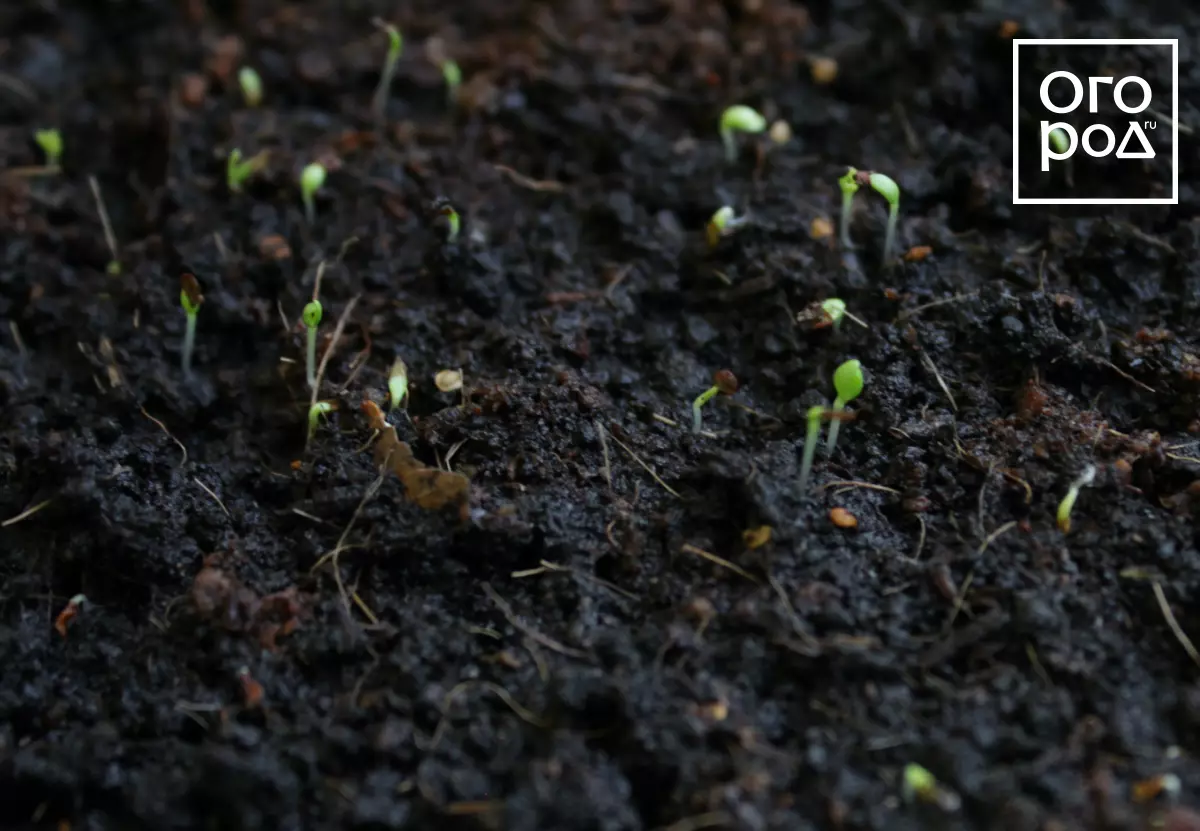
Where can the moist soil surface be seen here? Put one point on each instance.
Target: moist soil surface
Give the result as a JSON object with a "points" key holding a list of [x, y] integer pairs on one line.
{"points": [[627, 624]]}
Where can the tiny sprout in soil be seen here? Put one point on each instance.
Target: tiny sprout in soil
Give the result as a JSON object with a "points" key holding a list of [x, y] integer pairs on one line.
{"points": [[315, 412], [849, 187], [453, 222], [1165, 784], [397, 384], [190, 298], [312, 319], [68, 614], [395, 48], [312, 178], [886, 187], [238, 171], [724, 383], [722, 224], [1068, 502], [51, 143], [448, 380], [1059, 140], [739, 119], [811, 437], [920, 784], [453, 77], [822, 314], [251, 86], [848, 383]]}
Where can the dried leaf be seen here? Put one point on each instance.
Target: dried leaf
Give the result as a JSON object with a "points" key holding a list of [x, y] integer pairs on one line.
{"points": [[426, 487]]}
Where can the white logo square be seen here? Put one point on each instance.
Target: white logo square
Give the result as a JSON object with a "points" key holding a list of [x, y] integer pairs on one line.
{"points": [[1058, 141]]}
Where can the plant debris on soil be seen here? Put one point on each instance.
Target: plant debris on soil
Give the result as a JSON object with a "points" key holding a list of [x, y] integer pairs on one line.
{"points": [[535, 598]]}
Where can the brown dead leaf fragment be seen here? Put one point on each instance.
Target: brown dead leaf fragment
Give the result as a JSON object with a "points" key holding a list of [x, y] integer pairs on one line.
{"points": [[427, 487]]}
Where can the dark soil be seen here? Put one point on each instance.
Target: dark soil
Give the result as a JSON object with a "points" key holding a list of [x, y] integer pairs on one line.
{"points": [[589, 644]]}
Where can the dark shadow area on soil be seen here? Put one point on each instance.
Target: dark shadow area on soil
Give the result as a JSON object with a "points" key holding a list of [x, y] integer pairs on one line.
{"points": [[631, 625]]}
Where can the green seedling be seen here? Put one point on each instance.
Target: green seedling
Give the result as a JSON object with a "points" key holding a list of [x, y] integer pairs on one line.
{"points": [[849, 186], [397, 384], [724, 383], [51, 143], [453, 221], [834, 311], [190, 298], [1068, 502], [312, 178], [722, 224], [848, 384], [453, 77], [1059, 141], [886, 187], [312, 319], [739, 119], [395, 48], [811, 437], [251, 86], [315, 412], [920, 784], [238, 172]]}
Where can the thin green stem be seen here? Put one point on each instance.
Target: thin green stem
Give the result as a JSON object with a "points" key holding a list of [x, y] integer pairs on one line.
{"points": [[847, 208], [889, 240], [810, 445], [834, 424], [310, 210], [730, 145], [312, 356], [702, 399], [385, 82], [189, 342]]}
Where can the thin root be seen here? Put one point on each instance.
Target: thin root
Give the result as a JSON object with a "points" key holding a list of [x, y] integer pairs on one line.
{"points": [[216, 498], [647, 468], [163, 427], [26, 514], [1180, 635], [723, 563]]}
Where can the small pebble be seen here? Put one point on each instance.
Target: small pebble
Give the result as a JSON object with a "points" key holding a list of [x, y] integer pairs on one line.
{"points": [[821, 228], [824, 70], [843, 518]]}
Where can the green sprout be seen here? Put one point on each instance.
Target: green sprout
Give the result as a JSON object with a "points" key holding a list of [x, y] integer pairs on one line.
{"points": [[919, 783], [1059, 141], [1068, 502], [251, 85], [311, 180], [237, 171], [190, 298], [886, 187], [849, 187], [320, 408], [725, 383], [453, 221], [722, 224], [397, 384], [395, 47], [834, 311], [453, 76], [848, 383], [51, 142], [811, 437], [312, 319], [739, 119]]}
